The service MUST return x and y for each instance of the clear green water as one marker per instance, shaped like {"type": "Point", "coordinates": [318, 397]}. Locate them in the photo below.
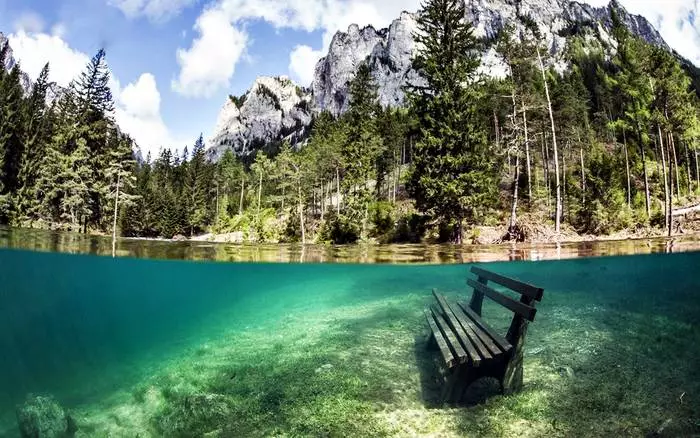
{"type": "Point", "coordinates": [177, 348]}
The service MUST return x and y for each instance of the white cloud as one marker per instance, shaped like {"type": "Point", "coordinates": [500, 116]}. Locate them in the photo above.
{"type": "Point", "coordinates": [678, 22]}
{"type": "Point", "coordinates": [34, 50]}
{"type": "Point", "coordinates": [209, 64]}
{"type": "Point", "coordinates": [29, 21]}
{"type": "Point", "coordinates": [137, 106]}
{"type": "Point", "coordinates": [302, 62]}
{"type": "Point", "coordinates": [155, 10]}
{"type": "Point", "coordinates": [138, 114]}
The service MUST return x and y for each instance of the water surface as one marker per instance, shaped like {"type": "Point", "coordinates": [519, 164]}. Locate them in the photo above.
{"type": "Point", "coordinates": [180, 348]}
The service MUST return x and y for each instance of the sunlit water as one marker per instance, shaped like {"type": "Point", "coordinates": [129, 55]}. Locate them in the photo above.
{"type": "Point", "coordinates": [84, 327]}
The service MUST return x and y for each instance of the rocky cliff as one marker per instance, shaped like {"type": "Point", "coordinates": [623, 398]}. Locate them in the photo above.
{"type": "Point", "coordinates": [258, 119]}
{"type": "Point", "coordinates": [272, 111]}
{"type": "Point", "coordinates": [10, 63]}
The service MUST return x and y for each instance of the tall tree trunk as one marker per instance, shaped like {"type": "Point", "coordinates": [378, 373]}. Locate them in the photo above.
{"type": "Point", "coordinates": [240, 204]}
{"type": "Point", "coordinates": [217, 202]}
{"type": "Point", "coordinates": [669, 145]}
{"type": "Point", "coordinates": [627, 166]}
{"type": "Point", "coordinates": [563, 185]}
{"type": "Point", "coordinates": [697, 170]}
{"type": "Point", "coordinates": [116, 213]}
{"type": "Point", "coordinates": [527, 153]}
{"type": "Point", "coordinates": [514, 207]}
{"type": "Point", "coordinates": [583, 179]}
{"type": "Point", "coordinates": [337, 181]}
{"type": "Point", "coordinates": [687, 168]}
{"type": "Point", "coordinates": [646, 173]}
{"type": "Point", "coordinates": [260, 192]}
{"type": "Point", "coordinates": [545, 164]}
{"type": "Point", "coordinates": [666, 177]}
{"type": "Point", "coordinates": [557, 219]}
{"type": "Point", "coordinates": [672, 142]}
{"type": "Point", "coordinates": [301, 214]}
{"type": "Point", "coordinates": [498, 131]}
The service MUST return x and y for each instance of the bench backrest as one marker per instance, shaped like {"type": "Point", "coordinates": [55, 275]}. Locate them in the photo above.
{"type": "Point", "coordinates": [525, 307]}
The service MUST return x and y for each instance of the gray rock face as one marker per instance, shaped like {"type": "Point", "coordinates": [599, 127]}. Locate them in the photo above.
{"type": "Point", "coordinates": [272, 111]}
{"type": "Point", "coordinates": [389, 51]}
{"type": "Point", "coordinates": [42, 417]}
{"type": "Point", "coordinates": [260, 120]}
{"type": "Point", "coordinates": [10, 63]}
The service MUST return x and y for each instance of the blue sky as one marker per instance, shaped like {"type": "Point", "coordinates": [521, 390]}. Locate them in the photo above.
{"type": "Point", "coordinates": [175, 61]}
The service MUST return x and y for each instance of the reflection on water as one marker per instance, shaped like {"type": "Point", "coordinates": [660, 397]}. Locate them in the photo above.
{"type": "Point", "coordinates": [54, 241]}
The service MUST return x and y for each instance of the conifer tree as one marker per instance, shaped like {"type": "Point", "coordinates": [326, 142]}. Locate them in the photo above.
{"type": "Point", "coordinates": [632, 84]}
{"type": "Point", "coordinates": [197, 187]}
{"type": "Point", "coordinates": [362, 148]}
{"type": "Point", "coordinates": [453, 176]}
{"type": "Point", "coordinates": [36, 136]}
{"type": "Point", "coordinates": [11, 133]}
{"type": "Point", "coordinates": [122, 181]}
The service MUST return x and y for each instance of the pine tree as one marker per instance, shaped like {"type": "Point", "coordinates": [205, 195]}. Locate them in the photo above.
{"type": "Point", "coordinates": [11, 133]}
{"type": "Point", "coordinates": [93, 115]}
{"type": "Point", "coordinates": [120, 173]}
{"type": "Point", "coordinates": [36, 136]}
{"type": "Point", "coordinates": [632, 84]}
{"type": "Point", "coordinates": [294, 169]}
{"type": "Point", "coordinates": [453, 176]}
{"type": "Point", "coordinates": [362, 148]}
{"type": "Point", "coordinates": [196, 188]}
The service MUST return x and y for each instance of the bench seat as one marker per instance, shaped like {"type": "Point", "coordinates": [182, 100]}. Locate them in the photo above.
{"type": "Point", "coordinates": [469, 347]}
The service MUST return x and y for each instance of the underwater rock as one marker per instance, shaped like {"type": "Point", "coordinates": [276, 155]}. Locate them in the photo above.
{"type": "Point", "coordinates": [566, 372]}
{"type": "Point", "coordinates": [535, 351]}
{"type": "Point", "coordinates": [323, 368]}
{"type": "Point", "coordinates": [43, 417]}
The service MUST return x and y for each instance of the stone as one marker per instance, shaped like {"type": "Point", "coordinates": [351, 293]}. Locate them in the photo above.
{"type": "Point", "coordinates": [43, 417]}
{"type": "Point", "coordinates": [272, 111]}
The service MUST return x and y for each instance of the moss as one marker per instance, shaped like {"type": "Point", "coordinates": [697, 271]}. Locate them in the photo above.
{"type": "Point", "coordinates": [595, 365]}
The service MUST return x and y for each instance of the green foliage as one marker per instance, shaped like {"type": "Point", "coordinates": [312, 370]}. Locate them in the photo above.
{"type": "Point", "coordinates": [265, 91]}
{"type": "Point", "coordinates": [453, 177]}
{"type": "Point", "coordinates": [339, 230]}
{"type": "Point", "coordinates": [605, 210]}
{"type": "Point", "coordinates": [381, 215]}
{"type": "Point", "coordinates": [238, 101]}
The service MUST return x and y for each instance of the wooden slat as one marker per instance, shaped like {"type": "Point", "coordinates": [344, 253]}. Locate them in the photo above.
{"type": "Point", "coordinates": [521, 309]}
{"type": "Point", "coordinates": [514, 285]}
{"type": "Point", "coordinates": [500, 340]}
{"type": "Point", "coordinates": [483, 337]}
{"type": "Point", "coordinates": [450, 361]}
{"type": "Point", "coordinates": [472, 349]}
{"type": "Point", "coordinates": [456, 347]}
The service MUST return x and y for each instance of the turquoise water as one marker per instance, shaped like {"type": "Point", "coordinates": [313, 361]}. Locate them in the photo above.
{"type": "Point", "coordinates": [91, 331]}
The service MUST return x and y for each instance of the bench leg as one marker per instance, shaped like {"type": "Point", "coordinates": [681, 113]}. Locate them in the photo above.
{"type": "Point", "coordinates": [431, 343]}
{"type": "Point", "coordinates": [453, 387]}
{"type": "Point", "coordinates": [512, 380]}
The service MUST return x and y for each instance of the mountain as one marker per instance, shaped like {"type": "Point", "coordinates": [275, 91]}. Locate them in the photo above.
{"type": "Point", "coordinates": [273, 110]}
{"type": "Point", "coordinates": [10, 62]}
{"type": "Point", "coordinates": [257, 119]}
{"type": "Point", "coordinates": [389, 51]}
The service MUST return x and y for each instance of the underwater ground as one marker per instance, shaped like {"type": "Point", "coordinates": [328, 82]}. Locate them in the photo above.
{"type": "Point", "coordinates": [179, 349]}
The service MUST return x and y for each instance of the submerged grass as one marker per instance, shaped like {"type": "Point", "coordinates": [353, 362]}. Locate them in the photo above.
{"type": "Point", "coordinates": [591, 370]}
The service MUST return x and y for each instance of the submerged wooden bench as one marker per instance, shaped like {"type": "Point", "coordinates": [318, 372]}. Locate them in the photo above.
{"type": "Point", "coordinates": [470, 349]}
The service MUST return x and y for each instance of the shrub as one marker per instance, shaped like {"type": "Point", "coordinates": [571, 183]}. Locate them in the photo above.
{"type": "Point", "coordinates": [339, 230]}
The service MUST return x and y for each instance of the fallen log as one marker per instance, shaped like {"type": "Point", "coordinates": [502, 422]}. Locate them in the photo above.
{"type": "Point", "coordinates": [686, 210]}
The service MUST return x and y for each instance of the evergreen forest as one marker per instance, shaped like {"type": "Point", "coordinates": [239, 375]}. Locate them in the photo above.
{"type": "Point", "coordinates": [608, 144]}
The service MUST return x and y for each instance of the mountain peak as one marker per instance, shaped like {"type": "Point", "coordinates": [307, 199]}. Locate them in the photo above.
{"type": "Point", "coordinates": [276, 109]}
